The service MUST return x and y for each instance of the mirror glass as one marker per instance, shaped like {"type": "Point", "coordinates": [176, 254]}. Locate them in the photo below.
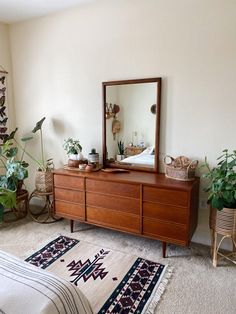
{"type": "Point", "coordinates": [131, 124]}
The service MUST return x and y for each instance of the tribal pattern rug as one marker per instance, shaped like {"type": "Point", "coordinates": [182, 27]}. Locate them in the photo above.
{"type": "Point", "coordinates": [112, 281]}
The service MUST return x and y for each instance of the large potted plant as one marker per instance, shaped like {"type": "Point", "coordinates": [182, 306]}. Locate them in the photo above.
{"type": "Point", "coordinates": [44, 178]}
{"type": "Point", "coordinates": [222, 198]}
{"type": "Point", "coordinates": [14, 173]}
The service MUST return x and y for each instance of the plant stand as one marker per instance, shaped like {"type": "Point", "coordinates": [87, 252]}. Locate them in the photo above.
{"type": "Point", "coordinates": [222, 223]}
{"type": "Point", "coordinates": [21, 209]}
{"type": "Point", "coordinates": [43, 212]}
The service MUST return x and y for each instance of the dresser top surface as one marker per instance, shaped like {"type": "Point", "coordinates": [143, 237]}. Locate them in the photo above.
{"type": "Point", "coordinates": [139, 177]}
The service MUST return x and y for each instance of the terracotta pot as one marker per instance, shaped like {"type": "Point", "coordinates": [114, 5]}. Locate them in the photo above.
{"type": "Point", "coordinates": [73, 163]}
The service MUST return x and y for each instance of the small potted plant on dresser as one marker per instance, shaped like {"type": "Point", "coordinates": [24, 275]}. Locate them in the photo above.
{"type": "Point", "coordinates": [222, 200]}
{"type": "Point", "coordinates": [121, 151]}
{"type": "Point", "coordinates": [74, 152]}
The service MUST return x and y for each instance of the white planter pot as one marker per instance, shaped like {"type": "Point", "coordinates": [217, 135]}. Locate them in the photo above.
{"type": "Point", "coordinates": [78, 156]}
{"type": "Point", "coordinates": [120, 157]}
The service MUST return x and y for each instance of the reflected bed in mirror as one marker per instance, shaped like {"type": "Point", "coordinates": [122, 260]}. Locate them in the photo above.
{"type": "Point", "coordinates": [131, 124]}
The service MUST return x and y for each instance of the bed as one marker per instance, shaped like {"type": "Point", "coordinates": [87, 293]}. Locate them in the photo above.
{"type": "Point", "coordinates": [144, 159]}
{"type": "Point", "coordinates": [26, 289]}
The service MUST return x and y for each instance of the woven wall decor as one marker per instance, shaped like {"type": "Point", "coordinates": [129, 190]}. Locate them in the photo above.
{"type": "Point", "coordinates": [3, 105]}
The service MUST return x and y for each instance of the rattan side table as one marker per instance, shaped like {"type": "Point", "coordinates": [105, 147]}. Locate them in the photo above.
{"type": "Point", "coordinates": [223, 223]}
{"type": "Point", "coordinates": [43, 212]}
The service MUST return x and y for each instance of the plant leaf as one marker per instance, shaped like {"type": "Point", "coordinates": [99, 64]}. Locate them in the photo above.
{"type": "Point", "coordinates": [26, 138]}
{"type": "Point", "coordinates": [38, 125]}
{"type": "Point", "coordinates": [10, 136]}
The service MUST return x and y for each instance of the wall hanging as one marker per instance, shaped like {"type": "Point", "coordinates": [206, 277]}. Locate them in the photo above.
{"type": "Point", "coordinates": [3, 105]}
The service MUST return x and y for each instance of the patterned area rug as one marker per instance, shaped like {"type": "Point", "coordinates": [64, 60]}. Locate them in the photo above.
{"type": "Point", "coordinates": [112, 281]}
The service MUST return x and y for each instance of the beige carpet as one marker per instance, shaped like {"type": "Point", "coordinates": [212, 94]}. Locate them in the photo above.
{"type": "Point", "coordinates": [196, 286]}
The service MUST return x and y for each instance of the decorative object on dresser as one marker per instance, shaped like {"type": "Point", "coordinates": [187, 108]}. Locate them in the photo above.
{"type": "Point", "coordinates": [113, 282]}
{"type": "Point", "coordinates": [144, 204]}
{"type": "Point", "coordinates": [121, 151]}
{"type": "Point", "coordinates": [74, 152]}
{"type": "Point", "coordinates": [180, 168]}
{"type": "Point", "coordinates": [93, 158]}
{"type": "Point", "coordinates": [222, 200]}
{"type": "Point", "coordinates": [134, 97]}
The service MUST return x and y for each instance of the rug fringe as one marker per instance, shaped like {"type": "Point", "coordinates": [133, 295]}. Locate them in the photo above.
{"type": "Point", "coordinates": [157, 294]}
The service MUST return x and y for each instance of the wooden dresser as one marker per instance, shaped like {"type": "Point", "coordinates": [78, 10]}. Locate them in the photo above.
{"type": "Point", "coordinates": [141, 203]}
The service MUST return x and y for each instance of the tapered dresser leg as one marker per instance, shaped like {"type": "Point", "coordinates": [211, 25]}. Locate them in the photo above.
{"type": "Point", "coordinates": [163, 249]}
{"type": "Point", "coordinates": [71, 226]}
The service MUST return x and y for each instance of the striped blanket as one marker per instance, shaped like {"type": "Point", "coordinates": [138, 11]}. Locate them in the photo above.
{"type": "Point", "coordinates": [26, 289]}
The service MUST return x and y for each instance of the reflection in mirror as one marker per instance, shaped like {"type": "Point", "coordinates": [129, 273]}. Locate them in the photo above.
{"type": "Point", "coordinates": [131, 118]}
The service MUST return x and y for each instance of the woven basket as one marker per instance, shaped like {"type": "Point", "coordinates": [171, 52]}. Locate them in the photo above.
{"type": "Point", "coordinates": [180, 168]}
{"type": "Point", "coordinates": [44, 181]}
{"type": "Point", "coordinates": [223, 221]}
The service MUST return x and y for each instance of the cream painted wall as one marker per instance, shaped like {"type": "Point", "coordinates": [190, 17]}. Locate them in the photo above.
{"type": "Point", "coordinates": [5, 62]}
{"type": "Point", "coordinates": [59, 63]}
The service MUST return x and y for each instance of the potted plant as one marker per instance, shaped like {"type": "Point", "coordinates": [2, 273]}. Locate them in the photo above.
{"type": "Point", "coordinates": [121, 151]}
{"type": "Point", "coordinates": [15, 172]}
{"type": "Point", "coordinates": [222, 181]}
{"type": "Point", "coordinates": [222, 198]}
{"type": "Point", "coordinates": [74, 151]}
{"type": "Point", "coordinates": [43, 180]}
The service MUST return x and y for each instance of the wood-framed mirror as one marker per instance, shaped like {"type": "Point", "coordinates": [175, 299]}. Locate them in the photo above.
{"type": "Point", "coordinates": [131, 124]}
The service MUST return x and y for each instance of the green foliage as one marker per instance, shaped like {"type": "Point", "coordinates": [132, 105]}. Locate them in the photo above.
{"type": "Point", "coordinates": [222, 181]}
{"type": "Point", "coordinates": [7, 198]}
{"type": "Point", "coordinates": [121, 147]}
{"type": "Point", "coordinates": [41, 163]}
{"type": "Point", "coordinates": [15, 171]}
{"type": "Point", "coordinates": [72, 146]}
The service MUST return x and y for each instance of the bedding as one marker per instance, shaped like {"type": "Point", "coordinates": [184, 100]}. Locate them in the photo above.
{"type": "Point", "coordinates": [144, 159]}
{"type": "Point", "coordinates": [26, 289]}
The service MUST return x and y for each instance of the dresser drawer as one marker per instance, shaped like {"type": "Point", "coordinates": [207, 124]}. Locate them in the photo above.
{"type": "Point", "coordinates": [69, 210]}
{"type": "Point", "coordinates": [166, 212]}
{"type": "Point", "coordinates": [172, 197]}
{"type": "Point", "coordinates": [113, 188]}
{"type": "Point", "coordinates": [113, 219]}
{"type": "Point", "coordinates": [69, 195]}
{"type": "Point", "coordinates": [164, 230]}
{"type": "Point", "coordinates": [128, 205]}
{"type": "Point", "coordinates": [69, 182]}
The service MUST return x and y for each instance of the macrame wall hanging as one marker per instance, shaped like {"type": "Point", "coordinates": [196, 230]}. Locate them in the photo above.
{"type": "Point", "coordinates": [3, 105]}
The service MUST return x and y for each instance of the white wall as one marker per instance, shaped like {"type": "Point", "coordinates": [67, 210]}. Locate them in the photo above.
{"type": "Point", "coordinates": [60, 61]}
{"type": "Point", "coordinates": [136, 100]}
